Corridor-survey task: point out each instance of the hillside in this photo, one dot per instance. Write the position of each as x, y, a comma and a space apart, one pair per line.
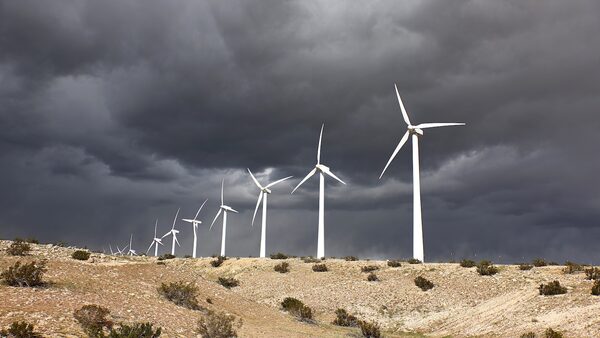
462, 303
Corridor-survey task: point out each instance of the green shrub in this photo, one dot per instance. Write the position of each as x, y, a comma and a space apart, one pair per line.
486, 268
423, 283
538, 262
369, 268
18, 248
319, 268
136, 330
20, 330
394, 264
350, 258
80, 255
549, 333
525, 267
369, 329
181, 293
218, 325
571, 267
552, 288
372, 277
528, 335
218, 262
596, 288
279, 255
228, 282
592, 273
282, 267
467, 263
166, 256
344, 319
297, 308
29, 274
92, 319
414, 261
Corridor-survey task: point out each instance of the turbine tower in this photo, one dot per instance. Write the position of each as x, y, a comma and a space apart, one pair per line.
224, 209
262, 196
131, 252
173, 233
414, 132
322, 169
195, 223
156, 241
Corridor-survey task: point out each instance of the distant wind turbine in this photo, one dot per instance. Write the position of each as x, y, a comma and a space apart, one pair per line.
195, 223
262, 196
415, 132
121, 252
322, 169
173, 233
111, 250
131, 252
155, 241
224, 209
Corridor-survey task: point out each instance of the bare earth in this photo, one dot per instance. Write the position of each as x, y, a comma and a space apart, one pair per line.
462, 303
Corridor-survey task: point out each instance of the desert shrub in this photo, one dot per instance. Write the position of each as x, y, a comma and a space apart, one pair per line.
279, 255
372, 277
228, 282
297, 308
181, 293
218, 325
310, 259
343, 318
414, 261
80, 255
592, 273
486, 268
525, 267
537, 262
423, 283
553, 263
282, 267
369, 329
319, 268
467, 263
528, 335
350, 258
136, 330
552, 288
29, 274
596, 288
571, 267
166, 256
18, 248
92, 319
549, 333
218, 261
20, 330
32, 240
394, 264
369, 268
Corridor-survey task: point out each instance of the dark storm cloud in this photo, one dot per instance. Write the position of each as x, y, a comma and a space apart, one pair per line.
114, 113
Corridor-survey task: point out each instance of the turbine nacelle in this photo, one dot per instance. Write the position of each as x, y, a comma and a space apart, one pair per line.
228, 208
415, 130
322, 168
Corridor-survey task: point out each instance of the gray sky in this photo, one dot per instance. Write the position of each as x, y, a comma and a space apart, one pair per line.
115, 113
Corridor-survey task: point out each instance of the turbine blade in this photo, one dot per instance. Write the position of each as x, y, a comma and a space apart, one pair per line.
319, 149
255, 180
312, 172
402, 141
197, 213
328, 172
278, 181
165, 235
435, 125
150, 247
232, 209
176, 241
222, 184
404, 114
155, 226
214, 220
175, 219
260, 196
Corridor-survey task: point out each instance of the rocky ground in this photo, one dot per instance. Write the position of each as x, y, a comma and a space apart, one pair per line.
462, 303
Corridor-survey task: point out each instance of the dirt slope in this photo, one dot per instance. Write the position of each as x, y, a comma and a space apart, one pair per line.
461, 304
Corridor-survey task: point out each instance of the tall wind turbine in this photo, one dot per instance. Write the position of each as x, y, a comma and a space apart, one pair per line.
195, 223
322, 169
131, 252
224, 209
173, 233
415, 132
156, 241
262, 196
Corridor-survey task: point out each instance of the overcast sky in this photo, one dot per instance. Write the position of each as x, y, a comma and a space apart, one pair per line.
115, 113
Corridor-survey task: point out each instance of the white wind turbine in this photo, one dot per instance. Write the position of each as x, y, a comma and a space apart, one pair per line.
415, 132
224, 209
322, 169
131, 252
195, 223
156, 241
262, 196
111, 250
121, 252
173, 233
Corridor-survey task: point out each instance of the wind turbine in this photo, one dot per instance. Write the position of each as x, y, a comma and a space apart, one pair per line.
131, 252
111, 250
173, 233
121, 252
156, 241
322, 169
262, 196
415, 132
195, 223
224, 209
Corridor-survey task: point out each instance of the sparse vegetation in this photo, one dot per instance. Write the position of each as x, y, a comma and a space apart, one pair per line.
297, 308
310, 259
218, 325
31, 240
528, 335
319, 268
369, 329
228, 282
20, 330
283, 267
18, 248
571, 267
394, 263
372, 277
279, 255
28, 274
592, 273
369, 268
467, 263
166, 257
486, 268
525, 267
218, 261
181, 293
136, 330
80, 255
343, 318
414, 261
350, 258
549, 333
552, 288
423, 283
596, 288
538, 262
92, 319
